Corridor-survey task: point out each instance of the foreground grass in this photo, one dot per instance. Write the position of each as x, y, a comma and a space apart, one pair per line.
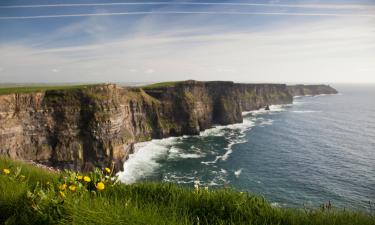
31, 89
153, 203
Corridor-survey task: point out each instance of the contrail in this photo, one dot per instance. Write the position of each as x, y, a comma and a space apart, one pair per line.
314, 6
187, 12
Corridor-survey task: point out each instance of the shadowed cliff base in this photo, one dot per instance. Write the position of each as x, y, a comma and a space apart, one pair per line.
89, 126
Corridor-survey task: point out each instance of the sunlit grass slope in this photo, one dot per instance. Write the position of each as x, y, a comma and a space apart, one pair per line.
30, 195
31, 89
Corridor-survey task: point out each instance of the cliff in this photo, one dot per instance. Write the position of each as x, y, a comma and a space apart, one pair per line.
96, 126
303, 90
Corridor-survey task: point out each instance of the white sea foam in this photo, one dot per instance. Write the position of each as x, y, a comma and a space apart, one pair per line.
171, 177
220, 129
266, 122
306, 111
144, 159
273, 108
191, 156
237, 173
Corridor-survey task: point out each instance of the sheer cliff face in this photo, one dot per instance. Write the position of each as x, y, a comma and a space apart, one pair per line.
76, 129
255, 96
96, 126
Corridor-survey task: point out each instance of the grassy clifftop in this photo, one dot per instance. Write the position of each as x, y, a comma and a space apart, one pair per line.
25, 199
31, 89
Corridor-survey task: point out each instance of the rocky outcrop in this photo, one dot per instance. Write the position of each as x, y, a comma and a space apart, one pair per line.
303, 90
96, 126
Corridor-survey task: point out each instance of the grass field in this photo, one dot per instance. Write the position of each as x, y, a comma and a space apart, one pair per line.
148, 203
42, 88
161, 84
31, 89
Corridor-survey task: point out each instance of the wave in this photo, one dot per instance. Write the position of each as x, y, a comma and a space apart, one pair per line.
233, 139
273, 108
237, 173
220, 130
175, 153
144, 159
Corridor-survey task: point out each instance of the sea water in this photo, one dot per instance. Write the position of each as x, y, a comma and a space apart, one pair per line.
318, 149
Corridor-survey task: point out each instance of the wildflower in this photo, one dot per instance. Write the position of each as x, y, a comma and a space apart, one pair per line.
79, 177
206, 188
87, 179
100, 186
22, 177
72, 187
6, 171
62, 187
62, 195
196, 185
108, 170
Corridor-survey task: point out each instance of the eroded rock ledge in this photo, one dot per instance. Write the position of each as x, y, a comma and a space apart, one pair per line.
96, 126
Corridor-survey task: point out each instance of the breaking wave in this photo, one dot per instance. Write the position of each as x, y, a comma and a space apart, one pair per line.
144, 159
147, 155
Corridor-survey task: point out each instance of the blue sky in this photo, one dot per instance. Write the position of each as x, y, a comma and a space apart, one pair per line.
245, 41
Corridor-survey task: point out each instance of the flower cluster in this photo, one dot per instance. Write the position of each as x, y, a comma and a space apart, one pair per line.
69, 182
13, 174
47, 199
95, 182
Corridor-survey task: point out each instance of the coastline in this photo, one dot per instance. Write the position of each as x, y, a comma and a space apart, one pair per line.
150, 151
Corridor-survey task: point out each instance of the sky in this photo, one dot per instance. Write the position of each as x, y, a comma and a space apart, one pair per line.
274, 41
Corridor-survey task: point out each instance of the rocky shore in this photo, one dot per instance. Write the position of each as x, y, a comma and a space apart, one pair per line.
96, 126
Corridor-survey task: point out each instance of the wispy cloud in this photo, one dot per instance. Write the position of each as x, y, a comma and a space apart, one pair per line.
336, 49
272, 5
190, 12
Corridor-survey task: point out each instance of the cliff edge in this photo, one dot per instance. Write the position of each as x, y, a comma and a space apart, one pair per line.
96, 126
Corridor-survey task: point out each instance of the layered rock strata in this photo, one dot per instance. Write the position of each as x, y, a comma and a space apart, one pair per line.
96, 126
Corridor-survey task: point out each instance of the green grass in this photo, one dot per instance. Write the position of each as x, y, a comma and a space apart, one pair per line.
31, 89
161, 84
157, 203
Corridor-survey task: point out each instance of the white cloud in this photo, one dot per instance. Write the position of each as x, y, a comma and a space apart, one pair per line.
335, 50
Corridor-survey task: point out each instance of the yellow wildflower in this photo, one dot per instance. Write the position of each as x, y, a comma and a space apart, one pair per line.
6, 171
62, 187
206, 188
79, 177
62, 194
108, 170
72, 187
87, 179
100, 186
22, 177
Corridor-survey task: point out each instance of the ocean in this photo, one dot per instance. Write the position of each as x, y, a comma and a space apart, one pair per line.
318, 149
